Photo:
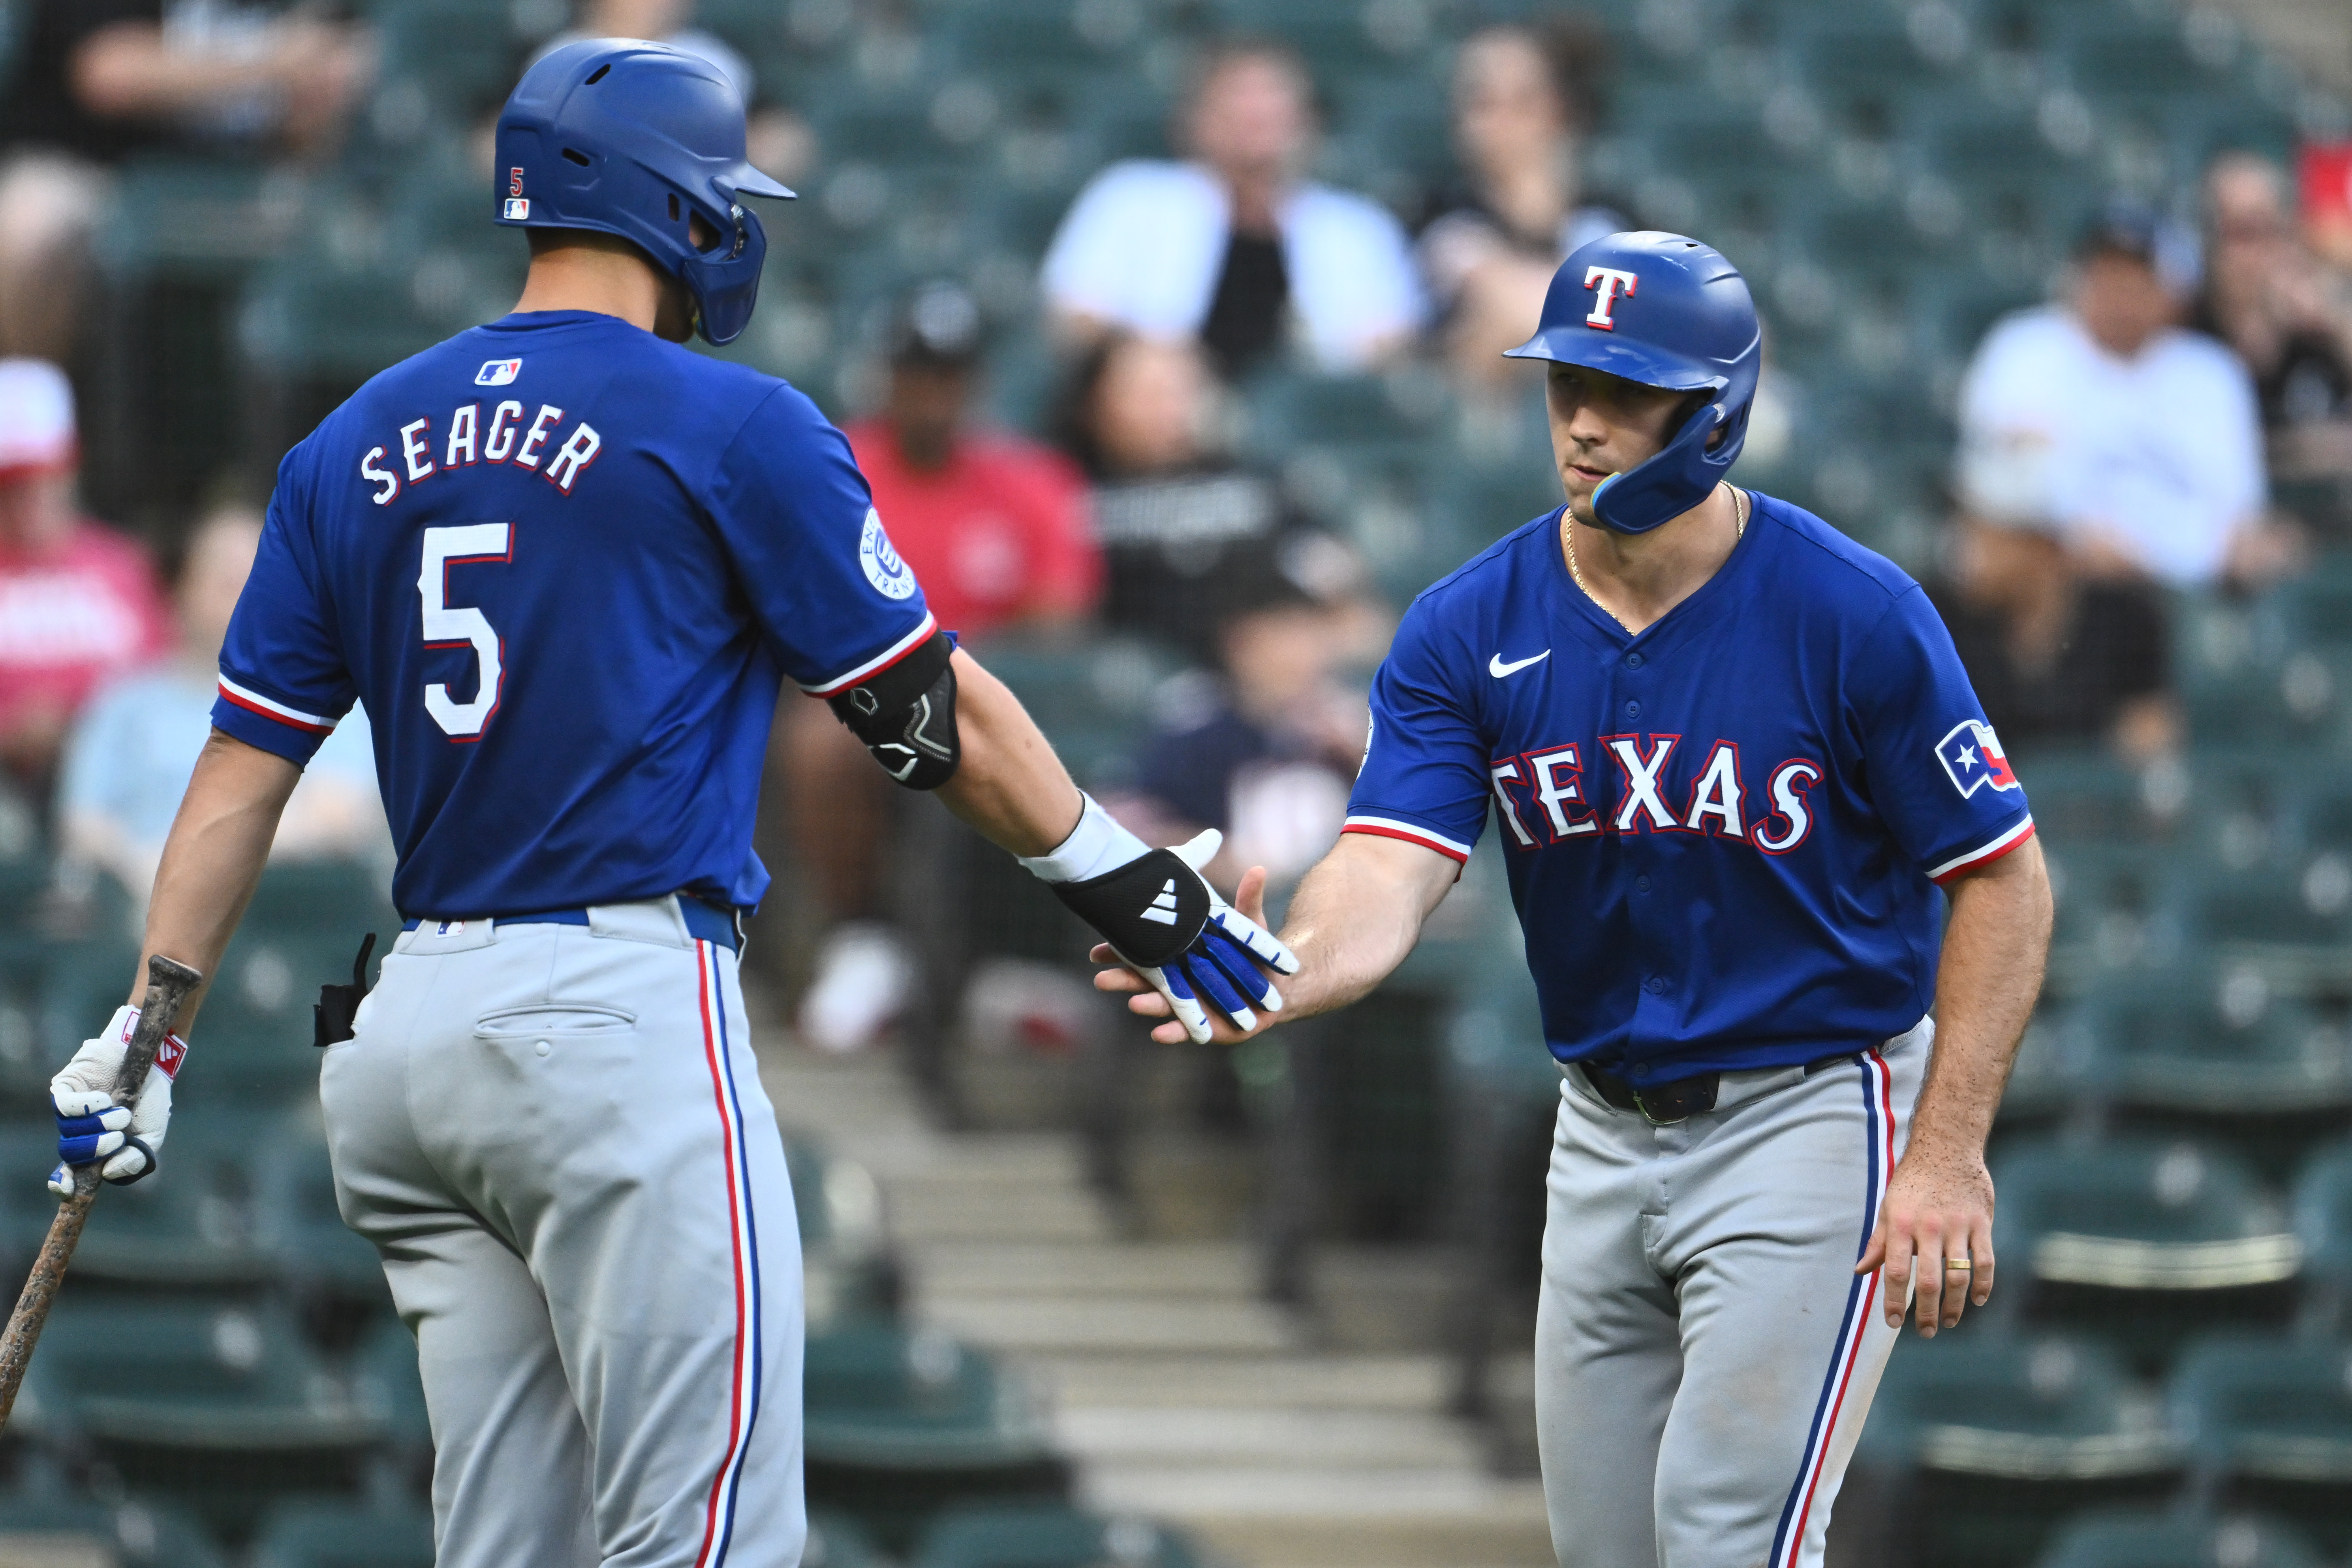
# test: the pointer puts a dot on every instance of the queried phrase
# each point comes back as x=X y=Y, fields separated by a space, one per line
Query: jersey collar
x=1574 y=609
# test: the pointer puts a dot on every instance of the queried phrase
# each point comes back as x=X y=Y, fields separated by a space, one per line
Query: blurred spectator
x=78 y=601
x=128 y=760
x=1488 y=247
x=995 y=526
x=2057 y=657
x=95 y=80
x=1235 y=245
x=2139 y=439
x=2268 y=297
x=1267 y=748
x=778 y=141
x=1172 y=512
x=995 y=529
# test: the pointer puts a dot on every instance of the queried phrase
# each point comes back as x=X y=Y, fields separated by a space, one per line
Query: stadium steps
x=1180 y=1394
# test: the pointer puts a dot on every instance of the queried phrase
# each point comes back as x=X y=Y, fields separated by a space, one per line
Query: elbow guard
x=906 y=716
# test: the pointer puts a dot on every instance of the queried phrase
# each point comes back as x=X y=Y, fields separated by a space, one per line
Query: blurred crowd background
x=1169 y=332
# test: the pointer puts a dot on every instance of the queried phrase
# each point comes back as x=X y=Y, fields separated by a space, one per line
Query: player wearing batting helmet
x=1730 y=756
x=566 y=566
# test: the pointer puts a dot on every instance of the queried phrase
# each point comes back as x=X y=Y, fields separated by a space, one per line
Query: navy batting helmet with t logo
x=637 y=140
x=1664 y=311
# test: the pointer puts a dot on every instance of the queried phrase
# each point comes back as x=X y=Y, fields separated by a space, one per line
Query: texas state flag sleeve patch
x=1973 y=758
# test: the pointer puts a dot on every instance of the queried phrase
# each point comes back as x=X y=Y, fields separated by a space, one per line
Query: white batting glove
x=91 y=1127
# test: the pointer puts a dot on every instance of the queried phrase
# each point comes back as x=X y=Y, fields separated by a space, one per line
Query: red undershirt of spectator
x=78 y=601
x=995 y=527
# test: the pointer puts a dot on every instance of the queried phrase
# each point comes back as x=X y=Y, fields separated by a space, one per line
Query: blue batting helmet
x=635 y=139
x=1663 y=310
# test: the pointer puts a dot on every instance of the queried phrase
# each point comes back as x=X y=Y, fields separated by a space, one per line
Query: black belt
x=1663 y=1104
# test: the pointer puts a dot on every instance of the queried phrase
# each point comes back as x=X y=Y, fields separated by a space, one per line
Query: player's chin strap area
x=1165 y=922
x=906 y=716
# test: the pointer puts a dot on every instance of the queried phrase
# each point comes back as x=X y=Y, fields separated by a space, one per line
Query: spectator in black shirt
x=1172 y=513
x=96 y=81
x=2057 y=656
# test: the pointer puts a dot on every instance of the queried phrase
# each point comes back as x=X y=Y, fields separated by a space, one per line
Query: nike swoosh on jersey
x=1497 y=669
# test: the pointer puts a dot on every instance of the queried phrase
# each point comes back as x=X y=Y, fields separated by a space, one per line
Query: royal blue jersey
x=567 y=566
x=1722 y=836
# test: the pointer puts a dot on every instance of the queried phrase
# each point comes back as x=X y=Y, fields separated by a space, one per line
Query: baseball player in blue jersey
x=1729 y=755
x=566 y=566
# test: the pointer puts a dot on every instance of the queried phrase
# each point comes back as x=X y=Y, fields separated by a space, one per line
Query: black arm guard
x=1149 y=909
x=906 y=716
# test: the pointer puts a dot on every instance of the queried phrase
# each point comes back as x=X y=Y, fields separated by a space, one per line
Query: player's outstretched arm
x=1938 y=1206
x=1353 y=920
x=1159 y=916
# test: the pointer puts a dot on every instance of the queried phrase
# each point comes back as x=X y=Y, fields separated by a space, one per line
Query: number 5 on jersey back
x=448 y=626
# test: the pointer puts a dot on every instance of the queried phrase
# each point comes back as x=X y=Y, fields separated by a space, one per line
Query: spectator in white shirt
x=2140 y=441
x=1234 y=245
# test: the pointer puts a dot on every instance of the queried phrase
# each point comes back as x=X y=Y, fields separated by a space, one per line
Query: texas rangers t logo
x=1610 y=283
x=1972 y=758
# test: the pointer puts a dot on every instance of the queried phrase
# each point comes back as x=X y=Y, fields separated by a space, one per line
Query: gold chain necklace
x=1739 y=531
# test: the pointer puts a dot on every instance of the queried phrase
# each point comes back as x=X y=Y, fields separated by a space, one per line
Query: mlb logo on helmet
x=1610 y=283
x=1972 y=758
x=497 y=373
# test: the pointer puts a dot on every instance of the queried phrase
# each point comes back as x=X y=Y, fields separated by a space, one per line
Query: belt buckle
x=1641 y=1104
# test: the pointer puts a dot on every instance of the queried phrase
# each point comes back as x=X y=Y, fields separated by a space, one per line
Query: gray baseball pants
x=556 y=1137
x=1705 y=1352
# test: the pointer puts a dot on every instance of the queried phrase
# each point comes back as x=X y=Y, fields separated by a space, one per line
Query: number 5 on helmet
x=1165 y=922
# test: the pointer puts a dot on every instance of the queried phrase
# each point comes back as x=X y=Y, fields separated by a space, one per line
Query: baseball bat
x=168 y=985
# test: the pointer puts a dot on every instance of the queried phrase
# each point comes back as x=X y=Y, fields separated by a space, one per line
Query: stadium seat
x=219 y=1408
x=838 y=1541
x=308 y=1534
x=2273 y=1422
x=1988 y=1441
x=466 y=56
x=71 y=1533
x=2110 y=898
x=2219 y=1046
x=2146 y=1240
x=385 y=1383
x=899 y=1425
x=297 y=1224
x=2322 y=1223
x=846 y=1264
x=1045 y=1537
x=2171 y=1540
x=2052 y=1077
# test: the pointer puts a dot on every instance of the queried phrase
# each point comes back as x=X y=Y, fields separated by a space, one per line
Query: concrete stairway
x=1180 y=1394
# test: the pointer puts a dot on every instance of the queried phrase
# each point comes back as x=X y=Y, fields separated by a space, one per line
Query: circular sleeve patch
x=889 y=575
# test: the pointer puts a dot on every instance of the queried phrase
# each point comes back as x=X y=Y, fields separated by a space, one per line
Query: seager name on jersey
x=503 y=435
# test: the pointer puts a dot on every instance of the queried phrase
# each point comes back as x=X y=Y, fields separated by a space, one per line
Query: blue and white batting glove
x=1165 y=922
x=91 y=1127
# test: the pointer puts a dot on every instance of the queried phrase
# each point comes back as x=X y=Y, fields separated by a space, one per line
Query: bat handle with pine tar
x=1165 y=922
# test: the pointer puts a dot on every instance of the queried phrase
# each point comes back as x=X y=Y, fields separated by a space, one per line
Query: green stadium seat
x=2086 y=796
x=296 y=1222
x=2148 y=1241
x=465 y=56
x=1036 y=1537
x=385 y=1383
x=2171 y=1540
x=847 y=1268
x=188 y=1229
x=58 y=1532
x=838 y=1541
x=2218 y=1043
x=221 y=1409
x=2273 y=1422
x=2052 y=1075
x=310 y=1534
x=1990 y=1441
x=2122 y=57
x=2323 y=1221
x=900 y=1425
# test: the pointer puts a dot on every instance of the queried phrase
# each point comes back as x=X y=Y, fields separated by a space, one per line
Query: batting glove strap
x=1149 y=909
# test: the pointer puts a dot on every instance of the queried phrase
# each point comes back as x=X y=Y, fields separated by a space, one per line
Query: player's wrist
x=1096 y=846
